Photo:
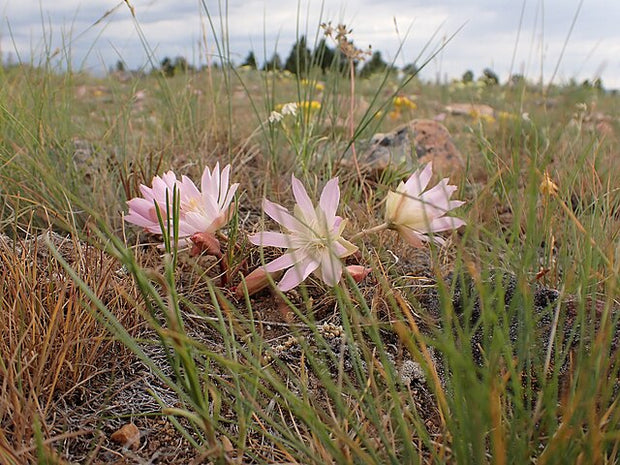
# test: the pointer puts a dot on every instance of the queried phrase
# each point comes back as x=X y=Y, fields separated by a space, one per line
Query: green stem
x=374 y=229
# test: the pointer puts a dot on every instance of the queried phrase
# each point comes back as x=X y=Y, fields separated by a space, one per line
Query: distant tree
x=374 y=65
x=489 y=77
x=410 y=69
x=167 y=67
x=468 y=76
x=250 y=61
x=120 y=66
x=181 y=65
x=299 y=59
x=273 y=64
x=323 y=56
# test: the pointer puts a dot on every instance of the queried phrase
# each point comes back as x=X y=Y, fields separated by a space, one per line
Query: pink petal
x=284 y=261
x=445 y=223
x=418 y=181
x=331 y=269
x=142 y=207
x=229 y=196
x=223 y=183
x=147 y=192
x=197 y=222
x=188 y=189
x=271 y=239
x=207 y=182
x=294 y=276
x=413 y=237
x=358 y=272
x=330 y=198
x=439 y=196
x=169 y=179
x=303 y=201
x=282 y=216
x=210 y=208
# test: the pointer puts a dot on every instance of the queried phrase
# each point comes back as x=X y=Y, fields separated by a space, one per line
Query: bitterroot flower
x=199 y=212
x=313 y=237
x=211 y=209
x=416 y=215
x=143 y=211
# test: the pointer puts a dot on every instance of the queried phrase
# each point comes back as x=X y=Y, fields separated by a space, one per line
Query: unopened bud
x=358 y=272
x=205 y=242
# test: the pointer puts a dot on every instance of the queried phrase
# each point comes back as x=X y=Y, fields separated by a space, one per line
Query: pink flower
x=212 y=209
x=313 y=237
x=142 y=211
x=199 y=212
x=415 y=214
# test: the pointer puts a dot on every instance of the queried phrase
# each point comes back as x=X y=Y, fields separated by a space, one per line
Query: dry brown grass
x=51 y=345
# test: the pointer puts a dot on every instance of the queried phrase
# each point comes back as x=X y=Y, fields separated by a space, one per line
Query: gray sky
x=489 y=37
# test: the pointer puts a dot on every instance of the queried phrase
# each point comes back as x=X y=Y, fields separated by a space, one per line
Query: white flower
x=290 y=109
x=275 y=117
x=313 y=237
x=211 y=209
x=415 y=214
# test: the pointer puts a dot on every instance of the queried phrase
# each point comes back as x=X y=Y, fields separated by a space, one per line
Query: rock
x=128 y=435
x=418 y=142
x=471 y=109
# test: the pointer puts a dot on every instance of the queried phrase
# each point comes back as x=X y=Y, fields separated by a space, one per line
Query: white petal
x=223 y=184
x=303 y=201
x=331 y=269
x=282 y=216
x=445 y=223
x=284 y=261
x=297 y=274
x=439 y=196
x=418 y=181
x=272 y=239
x=330 y=198
x=229 y=196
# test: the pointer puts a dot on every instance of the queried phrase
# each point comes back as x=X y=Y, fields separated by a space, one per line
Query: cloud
x=487 y=32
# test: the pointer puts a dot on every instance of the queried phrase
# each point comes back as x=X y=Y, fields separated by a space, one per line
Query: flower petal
x=284 y=261
x=331 y=269
x=282 y=216
x=438 y=197
x=303 y=201
x=295 y=275
x=188 y=190
x=272 y=239
x=223 y=184
x=414 y=238
x=330 y=198
x=445 y=223
x=418 y=181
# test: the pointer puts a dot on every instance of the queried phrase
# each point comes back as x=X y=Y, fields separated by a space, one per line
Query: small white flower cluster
x=287 y=109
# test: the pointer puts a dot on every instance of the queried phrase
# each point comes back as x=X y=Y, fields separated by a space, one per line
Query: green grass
x=313 y=376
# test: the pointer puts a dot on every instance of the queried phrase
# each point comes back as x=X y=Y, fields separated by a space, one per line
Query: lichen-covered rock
x=418 y=142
